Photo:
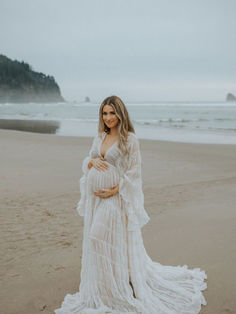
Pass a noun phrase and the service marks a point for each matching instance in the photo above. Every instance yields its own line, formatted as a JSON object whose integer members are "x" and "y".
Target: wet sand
{"x": 37, "y": 126}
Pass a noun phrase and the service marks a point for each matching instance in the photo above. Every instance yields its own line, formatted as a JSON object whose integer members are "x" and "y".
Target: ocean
{"x": 190, "y": 122}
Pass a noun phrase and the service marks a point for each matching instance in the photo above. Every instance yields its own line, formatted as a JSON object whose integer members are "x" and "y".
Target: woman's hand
{"x": 107, "y": 192}
{"x": 98, "y": 163}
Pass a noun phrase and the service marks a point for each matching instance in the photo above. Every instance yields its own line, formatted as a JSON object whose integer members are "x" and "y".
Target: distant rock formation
{"x": 87, "y": 99}
{"x": 230, "y": 97}
{"x": 20, "y": 84}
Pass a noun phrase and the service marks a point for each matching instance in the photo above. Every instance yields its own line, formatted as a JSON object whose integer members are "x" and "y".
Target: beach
{"x": 190, "y": 196}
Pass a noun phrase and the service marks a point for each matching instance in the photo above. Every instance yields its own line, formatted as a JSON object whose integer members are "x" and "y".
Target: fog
{"x": 139, "y": 50}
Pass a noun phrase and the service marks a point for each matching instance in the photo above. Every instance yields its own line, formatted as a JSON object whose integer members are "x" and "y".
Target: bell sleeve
{"x": 81, "y": 206}
{"x": 130, "y": 188}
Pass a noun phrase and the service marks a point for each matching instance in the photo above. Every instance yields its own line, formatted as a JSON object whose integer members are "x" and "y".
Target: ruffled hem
{"x": 178, "y": 288}
{"x": 73, "y": 304}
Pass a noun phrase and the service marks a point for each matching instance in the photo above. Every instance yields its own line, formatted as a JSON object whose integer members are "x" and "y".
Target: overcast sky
{"x": 137, "y": 49}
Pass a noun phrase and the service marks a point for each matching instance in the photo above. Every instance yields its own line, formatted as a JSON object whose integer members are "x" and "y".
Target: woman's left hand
{"x": 104, "y": 193}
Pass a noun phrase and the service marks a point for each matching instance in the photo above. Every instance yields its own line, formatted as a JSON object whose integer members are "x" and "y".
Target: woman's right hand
{"x": 99, "y": 163}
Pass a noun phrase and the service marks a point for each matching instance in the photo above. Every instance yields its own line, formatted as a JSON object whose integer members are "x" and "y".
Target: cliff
{"x": 20, "y": 84}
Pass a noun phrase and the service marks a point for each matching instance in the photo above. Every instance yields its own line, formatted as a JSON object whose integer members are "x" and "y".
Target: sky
{"x": 139, "y": 50}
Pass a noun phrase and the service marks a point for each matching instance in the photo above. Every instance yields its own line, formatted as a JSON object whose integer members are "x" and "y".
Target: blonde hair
{"x": 124, "y": 123}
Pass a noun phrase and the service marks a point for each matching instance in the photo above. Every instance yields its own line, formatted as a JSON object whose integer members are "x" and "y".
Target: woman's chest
{"x": 111, "y": 154}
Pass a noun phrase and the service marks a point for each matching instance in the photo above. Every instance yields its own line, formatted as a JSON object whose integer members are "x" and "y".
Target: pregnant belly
{"x": 105, "y": 179}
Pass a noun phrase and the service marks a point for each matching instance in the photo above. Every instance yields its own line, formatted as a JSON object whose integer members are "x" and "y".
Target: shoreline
{"x": 87, "y": 129}
{"x": 189, "y": 192}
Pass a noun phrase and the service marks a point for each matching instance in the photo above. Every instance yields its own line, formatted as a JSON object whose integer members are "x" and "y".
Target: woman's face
{"x": 109, "y": 116}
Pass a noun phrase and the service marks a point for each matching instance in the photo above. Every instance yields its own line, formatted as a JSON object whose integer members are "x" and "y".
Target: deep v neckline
{"x": 100, "y": 146}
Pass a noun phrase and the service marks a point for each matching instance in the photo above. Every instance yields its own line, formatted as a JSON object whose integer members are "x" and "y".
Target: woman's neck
{"x": 114, "y": 131}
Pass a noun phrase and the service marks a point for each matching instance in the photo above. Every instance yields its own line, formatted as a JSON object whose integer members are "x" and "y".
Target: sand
{"x": 190, "y": 195}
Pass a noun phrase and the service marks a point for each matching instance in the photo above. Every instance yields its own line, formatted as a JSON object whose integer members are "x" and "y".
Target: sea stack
{"x": 230, "y": 97}
{"x": 87, "y": 99}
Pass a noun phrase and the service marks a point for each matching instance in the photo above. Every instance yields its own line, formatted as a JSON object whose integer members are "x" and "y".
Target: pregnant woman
{"x": 117, "y": 275}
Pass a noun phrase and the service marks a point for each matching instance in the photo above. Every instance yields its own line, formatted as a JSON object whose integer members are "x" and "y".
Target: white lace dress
{"x": 113, "y": 251}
